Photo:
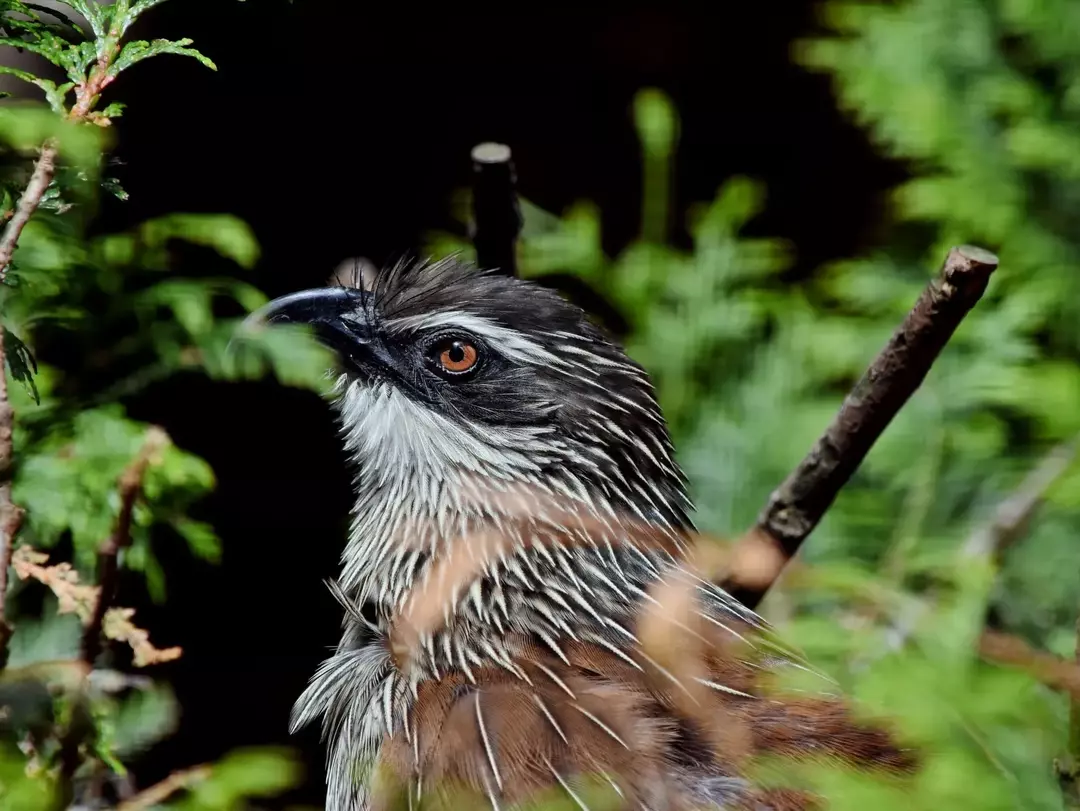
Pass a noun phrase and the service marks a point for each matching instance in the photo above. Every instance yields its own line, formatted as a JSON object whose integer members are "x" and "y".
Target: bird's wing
{"x": 600, "y": 723}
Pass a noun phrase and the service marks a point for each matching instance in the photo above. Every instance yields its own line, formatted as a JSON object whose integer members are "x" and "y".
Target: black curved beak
{"x": 339, "y": 317}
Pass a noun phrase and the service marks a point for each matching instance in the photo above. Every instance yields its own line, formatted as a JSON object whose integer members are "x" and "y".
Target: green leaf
{"x": 144, "y": 719}
{"x": 51, "y": 200}
{"x": 17, "y": 788}
{"x": 56, "y": 96}
{"x": 58, "y": 13}
{"x": 114, "y": 110}
{"x": 142, "y": 6}
{"x": 240, "y": 775}
{"x": 48, "y": 637}
{"x": 68, "y": 482}
{"x": 241, "y": 352}
{"x": 21, "y": 363}
{"x": 30, "y": 78}
{"x": 188, "y": 299}
{"x": 55, "y": 54}
{"x": 201, "y": 539}
{"x": 94, "y": 13}
{"x": 44, "y": 32}
{"x": 27, "y": 127}
{"x": 16, "y": 7}
{"x": 138, "y": 50}
{"x": 78, "y": 61}
{"x": 140, "y": 557}
{"x": 228, "y": 235}
{"x": 113, "y": 187}
{"x": 535, "y": 220}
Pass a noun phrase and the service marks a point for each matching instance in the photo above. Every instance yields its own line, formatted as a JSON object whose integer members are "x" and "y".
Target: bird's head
{"x": 447, "y": 370}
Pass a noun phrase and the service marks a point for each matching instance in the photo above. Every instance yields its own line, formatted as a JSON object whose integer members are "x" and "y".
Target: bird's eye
{"x": 456, "y": 356}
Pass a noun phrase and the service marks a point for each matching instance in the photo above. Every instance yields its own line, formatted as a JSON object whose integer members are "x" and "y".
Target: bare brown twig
{"x": 108, "y": 569}
{"x": 130, "y": 486}
{"x": 1051, "y": 670}
{"x": 795, "y": 508}
{"x": 75, "y": 597}
{"x": 159, "y": 792}
{"x": 11, "y": 515}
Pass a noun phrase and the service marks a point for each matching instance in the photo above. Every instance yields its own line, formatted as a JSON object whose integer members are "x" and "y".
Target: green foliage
{"x": 750, "y": 370}
{"x": 983, "y": 98}
{"x": 980, "y": 97}
{"x": 19, "y": 789}
{"x": 986, "y": 96}
{"x": 68, "y": 483}
{"x": 25, "y": 127}
{"x": 87, "y": 58}
{"x": 239, "y": 775}
{"x": 131, "y": 314}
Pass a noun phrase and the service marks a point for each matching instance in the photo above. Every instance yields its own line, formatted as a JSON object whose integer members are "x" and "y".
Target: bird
{"x": 524, "y": 615}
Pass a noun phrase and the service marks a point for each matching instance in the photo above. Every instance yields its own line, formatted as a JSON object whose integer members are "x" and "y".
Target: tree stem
{"x": 44, "y": 171}
{"x": 10, "y": 515}
{"x": 798, "y": 505}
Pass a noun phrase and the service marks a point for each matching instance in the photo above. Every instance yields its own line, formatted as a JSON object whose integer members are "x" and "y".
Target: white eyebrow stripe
{"x": 600, "y": 360}
{"x": 509, "y": 342}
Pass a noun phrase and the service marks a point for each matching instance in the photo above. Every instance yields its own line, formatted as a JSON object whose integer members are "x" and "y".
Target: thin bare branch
{"x": 159, "y": 792}
{"x": 1053, "y": 671}
{"x": 798, "y": 505}
{"x": 130, "y": 486}
{"x": 108, "y": 569}
{"x": 74, "y": 597}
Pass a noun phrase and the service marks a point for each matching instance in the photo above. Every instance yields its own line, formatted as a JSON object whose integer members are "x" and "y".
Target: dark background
{"x": 340, "y": 129}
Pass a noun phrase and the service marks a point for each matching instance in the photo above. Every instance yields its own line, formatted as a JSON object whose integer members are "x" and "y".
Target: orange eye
{"x": 458, "y": 357}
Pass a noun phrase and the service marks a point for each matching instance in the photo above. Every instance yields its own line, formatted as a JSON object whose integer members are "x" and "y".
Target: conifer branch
{"x": 11, "y": 515}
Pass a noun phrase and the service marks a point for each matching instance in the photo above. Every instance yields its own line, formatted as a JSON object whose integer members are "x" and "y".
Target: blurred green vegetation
{"x": 982, "y": 99}
{"x": 127, "y": 311}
